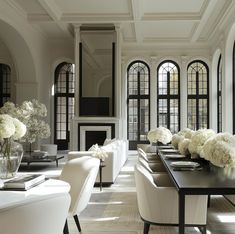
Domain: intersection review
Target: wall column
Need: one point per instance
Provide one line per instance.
(183, 93)
(77, 67)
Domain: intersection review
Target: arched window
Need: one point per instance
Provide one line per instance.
(219, 95)
(198, 95)
(64, 103)
(138, 102)
(5, 83)
(168, 96)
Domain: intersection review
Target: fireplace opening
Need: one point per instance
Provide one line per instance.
(94, 137)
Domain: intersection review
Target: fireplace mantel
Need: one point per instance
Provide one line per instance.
(79, 126)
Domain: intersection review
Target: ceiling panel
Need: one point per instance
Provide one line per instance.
(173, 6)
(93, 7)
(165, 29)
(31, 6)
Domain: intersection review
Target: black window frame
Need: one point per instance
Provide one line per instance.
(139, 97)
(219, 95)
(5, 83)
(168, 96)
(63, 144)
(198, 96)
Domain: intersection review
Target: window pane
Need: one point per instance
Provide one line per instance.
(138, 101)
(64, 99)
(5, 78)
(192, 114)
(144, 119)
(168, 96)
(197, 95)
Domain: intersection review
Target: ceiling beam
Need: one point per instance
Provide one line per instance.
(54, 12)
(137, 6)
(206, 14)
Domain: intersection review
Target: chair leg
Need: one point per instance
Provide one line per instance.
(146, 228)
(66, 228)
(209, 201)
(77, 223)
(203, 229)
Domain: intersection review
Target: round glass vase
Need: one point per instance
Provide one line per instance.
(9, 164)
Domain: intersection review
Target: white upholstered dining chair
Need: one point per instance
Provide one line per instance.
(148, 157)
(156, 167)
(81, 174)
(157, 201)
(45, 214)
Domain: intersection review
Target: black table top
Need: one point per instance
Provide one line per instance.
(209, 180)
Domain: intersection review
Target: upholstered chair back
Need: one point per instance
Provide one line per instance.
(81, 174)
(158, 200)
(46, 215)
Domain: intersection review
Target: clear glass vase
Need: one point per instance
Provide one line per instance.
(9, 164)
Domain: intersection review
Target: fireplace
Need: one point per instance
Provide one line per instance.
(90, 134)
(94, 137)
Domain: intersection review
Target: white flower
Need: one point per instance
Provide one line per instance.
(30, 114)
(183, 146)
(198, 139)
(7, 127)
(160, 134)
(220, 150)
(99, 153)
(20, 129)
(176, 138)
(187, 133)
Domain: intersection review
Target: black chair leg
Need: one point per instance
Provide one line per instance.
(202, 229)
(66, 228)
(77, 223)
(146, 228)
(209, 201)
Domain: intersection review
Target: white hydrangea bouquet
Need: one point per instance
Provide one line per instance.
(197, 141)
(180, 136)
(160, 134)
(10, 129)
(31, 114)
(220, 150)
(98, 152)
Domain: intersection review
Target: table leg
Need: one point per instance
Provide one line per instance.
(28, 166)
(57, 164)
(100, 178)
(181, 212)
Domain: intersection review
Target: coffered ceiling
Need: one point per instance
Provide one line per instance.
(142, 22)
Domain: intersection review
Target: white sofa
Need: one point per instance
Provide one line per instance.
(117, 151)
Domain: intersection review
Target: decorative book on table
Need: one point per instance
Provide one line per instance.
(24, 182)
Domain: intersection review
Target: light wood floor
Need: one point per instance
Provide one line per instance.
(115, 211)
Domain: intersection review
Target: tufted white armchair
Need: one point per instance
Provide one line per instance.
(158, 201)
(81, 174)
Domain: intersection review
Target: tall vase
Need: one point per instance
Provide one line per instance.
(9, 164)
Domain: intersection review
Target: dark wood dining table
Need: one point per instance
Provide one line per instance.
(205, 180)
